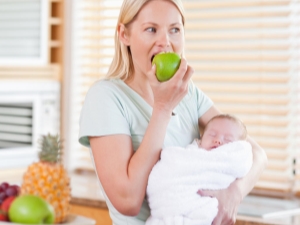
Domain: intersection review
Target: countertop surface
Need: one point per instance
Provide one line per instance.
(86, 191)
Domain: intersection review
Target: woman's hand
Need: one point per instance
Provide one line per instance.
(229, 200)
(169, 93)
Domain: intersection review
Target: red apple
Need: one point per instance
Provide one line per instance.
(3, 216)
(6, 203)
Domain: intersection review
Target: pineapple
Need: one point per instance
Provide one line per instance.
(48, 178)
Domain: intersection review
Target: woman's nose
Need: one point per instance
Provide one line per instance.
(164, 40)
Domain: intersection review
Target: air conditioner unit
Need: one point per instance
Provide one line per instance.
(28, 109)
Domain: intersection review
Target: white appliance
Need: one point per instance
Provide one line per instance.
(28, 109)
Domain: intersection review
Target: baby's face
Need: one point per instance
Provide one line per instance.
(220, 131)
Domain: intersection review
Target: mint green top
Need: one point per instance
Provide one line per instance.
(112, 107)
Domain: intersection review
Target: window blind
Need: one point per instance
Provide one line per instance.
(246, 59)
(23, 33)
(93, 31)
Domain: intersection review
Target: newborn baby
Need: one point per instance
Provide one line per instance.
(213, 162)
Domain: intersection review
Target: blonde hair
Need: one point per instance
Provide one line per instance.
(231, 118)
(122, 65)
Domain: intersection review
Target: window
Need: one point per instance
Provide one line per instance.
(246, 58)
(23, 32)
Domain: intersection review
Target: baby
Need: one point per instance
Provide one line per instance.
(220, 130)
(213, 162)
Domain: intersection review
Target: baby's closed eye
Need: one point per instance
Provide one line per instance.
(228, 139)
(212, 134)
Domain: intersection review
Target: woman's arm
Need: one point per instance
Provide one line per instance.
(230, 198)
(124, 173)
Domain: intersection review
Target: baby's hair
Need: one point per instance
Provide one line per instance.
(232, 118)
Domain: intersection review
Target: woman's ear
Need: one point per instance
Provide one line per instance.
(123, 34)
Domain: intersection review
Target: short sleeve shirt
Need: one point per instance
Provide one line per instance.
(111, 107)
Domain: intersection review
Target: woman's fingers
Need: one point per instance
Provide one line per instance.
(217, 220)
(226, 211)
(189, 74)
(171, 92)
(206, 193)
(180, 73)
(151, 75)
(184, 73)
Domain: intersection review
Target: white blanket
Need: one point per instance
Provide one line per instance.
(175, 179)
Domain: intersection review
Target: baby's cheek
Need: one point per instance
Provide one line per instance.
(228, 141)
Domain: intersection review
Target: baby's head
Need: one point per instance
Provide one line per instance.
(222, 129)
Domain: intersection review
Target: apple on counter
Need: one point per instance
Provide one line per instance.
(31, 209)
(6, 204)
(3, 216)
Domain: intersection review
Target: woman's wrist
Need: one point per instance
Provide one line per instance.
(162, 111)
(236, 187)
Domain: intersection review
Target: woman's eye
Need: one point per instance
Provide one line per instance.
(175, 30)
(151, 29)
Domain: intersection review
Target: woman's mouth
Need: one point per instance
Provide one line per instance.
(152, 58)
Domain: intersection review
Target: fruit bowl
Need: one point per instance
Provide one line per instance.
(71, 220)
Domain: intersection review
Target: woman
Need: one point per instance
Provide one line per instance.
(128, 118)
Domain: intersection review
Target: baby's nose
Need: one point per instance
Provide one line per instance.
(217, 141)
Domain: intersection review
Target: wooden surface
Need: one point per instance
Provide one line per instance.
(247, 223)
(100, 215)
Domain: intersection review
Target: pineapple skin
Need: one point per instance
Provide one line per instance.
(51, 182)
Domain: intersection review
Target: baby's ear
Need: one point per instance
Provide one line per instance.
(198, 141)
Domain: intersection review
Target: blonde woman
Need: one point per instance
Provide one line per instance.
(129, 117)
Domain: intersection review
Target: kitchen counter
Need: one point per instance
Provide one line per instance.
(86, 191)
(86, 195)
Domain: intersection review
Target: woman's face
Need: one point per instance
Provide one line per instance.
(157, 28)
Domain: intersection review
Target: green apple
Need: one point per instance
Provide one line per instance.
(31, 209)
(166, 65)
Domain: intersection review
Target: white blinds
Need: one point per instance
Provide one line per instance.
(93, 31)
(23, 31)
(246, 58)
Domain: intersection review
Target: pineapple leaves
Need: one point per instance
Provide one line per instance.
(51, 148)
